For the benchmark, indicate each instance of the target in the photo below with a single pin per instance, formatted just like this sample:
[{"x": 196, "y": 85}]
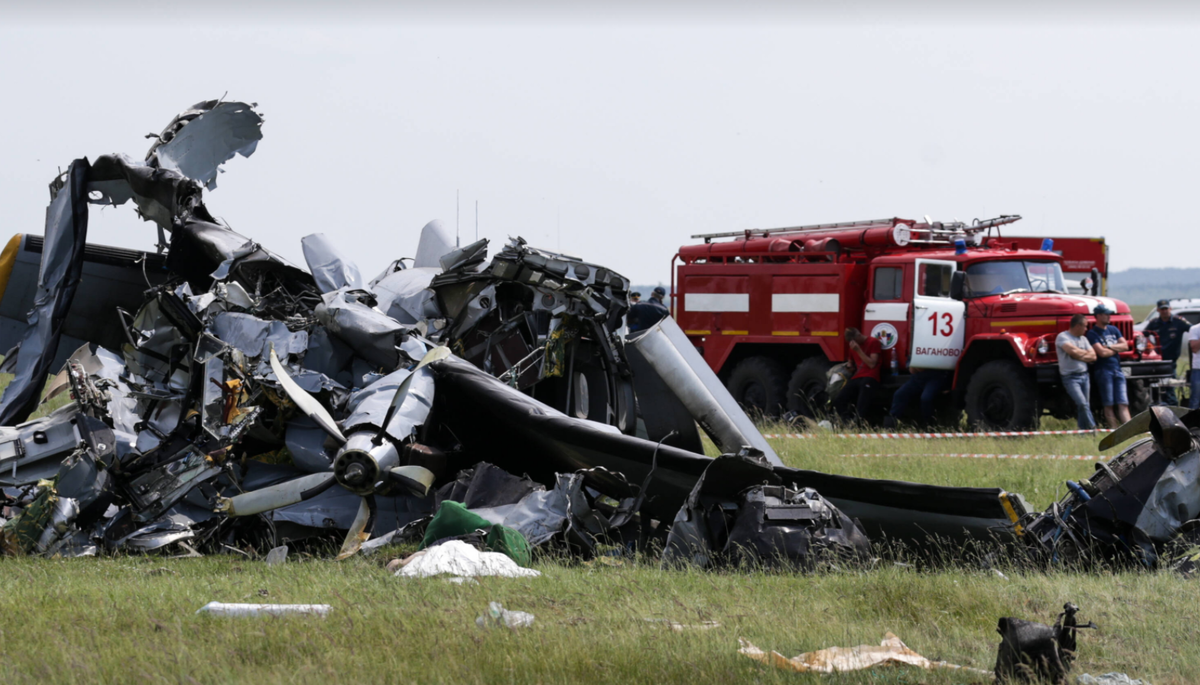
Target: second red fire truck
[{"x": 768, "y": 309}]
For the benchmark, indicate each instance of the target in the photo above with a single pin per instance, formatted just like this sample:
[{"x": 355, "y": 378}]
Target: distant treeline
[{"x": 1147, "y": 286}]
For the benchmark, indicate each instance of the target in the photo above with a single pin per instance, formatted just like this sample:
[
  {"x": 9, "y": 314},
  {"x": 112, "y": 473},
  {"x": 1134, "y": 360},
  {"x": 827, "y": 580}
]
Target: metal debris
[{"x": 259, "y": 610}]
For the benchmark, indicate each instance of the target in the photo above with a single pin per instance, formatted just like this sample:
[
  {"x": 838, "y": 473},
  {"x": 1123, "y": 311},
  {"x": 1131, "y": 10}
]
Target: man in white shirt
[
  {"x": 1074, "y": 354},
  {"x": 1193, "y": 338}
]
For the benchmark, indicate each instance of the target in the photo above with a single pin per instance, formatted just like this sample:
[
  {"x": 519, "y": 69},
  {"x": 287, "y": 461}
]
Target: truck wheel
[
  {"x": 1001, "y": 395},
  {"x": 807, "y": 390},
  {"x": 759, "y": 384}
]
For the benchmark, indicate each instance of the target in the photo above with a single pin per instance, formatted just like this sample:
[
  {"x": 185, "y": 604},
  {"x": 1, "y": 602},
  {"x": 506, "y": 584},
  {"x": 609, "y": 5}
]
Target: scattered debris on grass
[{"x": 890, "y": 652}]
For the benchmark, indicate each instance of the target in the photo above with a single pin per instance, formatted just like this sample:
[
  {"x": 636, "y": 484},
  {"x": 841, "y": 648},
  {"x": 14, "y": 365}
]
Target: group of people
[
  {"x": 643, "y": 315},
  {"x": 1088, "y": 355},
  {"x": 1092, "y": 354},
  {"x": 857, "y": 395}
]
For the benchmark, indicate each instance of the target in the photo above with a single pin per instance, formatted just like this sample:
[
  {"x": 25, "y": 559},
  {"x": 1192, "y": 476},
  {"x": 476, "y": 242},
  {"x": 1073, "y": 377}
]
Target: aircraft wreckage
[{"x": 222, "y": 398}]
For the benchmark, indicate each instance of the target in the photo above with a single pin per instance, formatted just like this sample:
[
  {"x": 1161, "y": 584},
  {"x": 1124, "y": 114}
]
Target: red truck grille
[{"x": 1126, "y": 328}]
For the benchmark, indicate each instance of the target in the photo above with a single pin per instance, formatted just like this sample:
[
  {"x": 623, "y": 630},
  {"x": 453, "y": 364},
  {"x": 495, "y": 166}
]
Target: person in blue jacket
[
  {"x": 1107, "y": 376},
  {"x": 1171, "y": 331}
]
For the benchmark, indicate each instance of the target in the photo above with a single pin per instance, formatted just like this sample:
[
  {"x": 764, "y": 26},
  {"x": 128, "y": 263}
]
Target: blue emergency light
[
  {"x": 960, "y": 246},
  {"x": 1048, "y": 245}
]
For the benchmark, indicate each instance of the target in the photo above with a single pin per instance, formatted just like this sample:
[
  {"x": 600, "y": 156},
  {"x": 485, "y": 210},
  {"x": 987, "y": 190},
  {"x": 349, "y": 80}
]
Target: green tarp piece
[{"x": 453, "y": 519}]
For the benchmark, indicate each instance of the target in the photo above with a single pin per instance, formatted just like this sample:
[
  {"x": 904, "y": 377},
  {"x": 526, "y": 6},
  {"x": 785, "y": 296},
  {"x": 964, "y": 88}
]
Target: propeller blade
[
  {"x": 436, "y": 354},
  {"x": 1170, "y": 434},
  {"x": 360, "y": 530},
  {"x": 276, "y": 496},
  {"x": 415, "y": 479},
  {"x": 1134, "y": 427},
  {"x": 306, "y": 402}
]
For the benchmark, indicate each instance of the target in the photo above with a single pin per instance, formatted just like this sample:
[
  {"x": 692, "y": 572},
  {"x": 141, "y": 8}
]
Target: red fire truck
[{"x": 767, "y": 308}]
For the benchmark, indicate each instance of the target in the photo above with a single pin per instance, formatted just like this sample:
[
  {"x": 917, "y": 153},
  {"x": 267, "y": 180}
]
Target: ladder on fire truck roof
[{"x": 930, "y": 233}]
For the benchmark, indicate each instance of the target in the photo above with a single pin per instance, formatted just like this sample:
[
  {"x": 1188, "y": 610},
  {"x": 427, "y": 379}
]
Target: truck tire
[
  {"x": 759, "y": 384},
  {"x": 1001, "y": 395},
  {"x": 807, "y": 391}
]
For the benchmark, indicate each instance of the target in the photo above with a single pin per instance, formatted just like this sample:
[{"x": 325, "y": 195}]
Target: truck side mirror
[
  {"x": 1095, "y": 281},
  {"x": 958, "y": 284}
]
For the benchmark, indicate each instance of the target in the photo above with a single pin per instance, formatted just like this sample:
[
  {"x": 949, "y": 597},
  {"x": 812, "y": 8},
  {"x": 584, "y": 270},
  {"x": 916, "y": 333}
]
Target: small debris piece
[
  {"x": 498, "y": 616},
  {"x": 277, "y": 556},
  {"x": 890, "y": 652},
  {"x": 1108, "y": 679},
  {"x": 680, "y": 627},
  {"x": 239, "y": 610}
]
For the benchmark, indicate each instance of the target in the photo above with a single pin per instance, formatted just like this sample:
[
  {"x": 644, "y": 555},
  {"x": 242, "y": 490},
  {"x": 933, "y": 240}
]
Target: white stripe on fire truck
[
  {"x": 716, "y": 302},
  {"x": 886, "y": 311},
  {"x": 805, "y": 302}
]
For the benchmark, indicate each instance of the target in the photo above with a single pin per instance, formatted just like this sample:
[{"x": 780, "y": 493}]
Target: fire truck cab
[{"x": 768, "y": 309}]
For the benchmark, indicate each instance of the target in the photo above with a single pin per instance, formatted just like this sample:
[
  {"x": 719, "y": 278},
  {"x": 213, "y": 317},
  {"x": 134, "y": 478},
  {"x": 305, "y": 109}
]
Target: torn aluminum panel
[
  {"x": 369, "y": 332},
  {"x": 203, "y": 137},
  {"x": 62, "y": 267},
  {"x": 35, "y": 450},
  {"x": 330, "y": 268},
  {"x": 256, "y": 337}
]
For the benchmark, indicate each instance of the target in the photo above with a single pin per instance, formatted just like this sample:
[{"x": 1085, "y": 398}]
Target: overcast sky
[{"x": 615, "y": 134}]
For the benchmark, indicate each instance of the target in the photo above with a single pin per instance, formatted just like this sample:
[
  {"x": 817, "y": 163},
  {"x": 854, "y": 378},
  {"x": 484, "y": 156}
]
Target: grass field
[{"x": 132, "y": 619}]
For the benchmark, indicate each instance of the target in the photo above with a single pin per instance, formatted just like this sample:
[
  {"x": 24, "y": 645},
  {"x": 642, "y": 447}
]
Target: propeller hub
[{"x": 362, "y": 463}]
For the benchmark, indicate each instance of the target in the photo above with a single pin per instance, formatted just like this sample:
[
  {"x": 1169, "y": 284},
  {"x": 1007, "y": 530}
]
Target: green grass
[{"x": 132, "y": 619}]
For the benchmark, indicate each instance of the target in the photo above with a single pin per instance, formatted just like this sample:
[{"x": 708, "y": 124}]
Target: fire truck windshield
[{"x": 1002, "y": 278}]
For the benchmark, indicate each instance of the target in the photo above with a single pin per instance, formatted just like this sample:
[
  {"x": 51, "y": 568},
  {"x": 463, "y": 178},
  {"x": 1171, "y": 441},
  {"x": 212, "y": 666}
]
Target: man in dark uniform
[
  {"x": 1170, "y": 331},
  {"x": 657, "y": 295},
  {"x": 643, "y": 315}
]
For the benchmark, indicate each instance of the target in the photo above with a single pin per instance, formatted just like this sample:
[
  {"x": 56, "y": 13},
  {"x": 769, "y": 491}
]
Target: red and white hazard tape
[
  {"x": 901, "y": 436},
  {"x": 1059, "y": 457}
]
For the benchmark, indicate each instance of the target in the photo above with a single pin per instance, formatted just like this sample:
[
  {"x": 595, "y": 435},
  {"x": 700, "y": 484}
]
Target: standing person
[
  {"x": 657, "y": 295},
  {"x": 856, "y": 396},
  {"x": 1108, "y": 343},
  {"x": 635, "y": 297},
  {"x": 1170, "y": 330},
  {"x": 1074, "y": 354},
  {"x": 1194, "y": 372}
]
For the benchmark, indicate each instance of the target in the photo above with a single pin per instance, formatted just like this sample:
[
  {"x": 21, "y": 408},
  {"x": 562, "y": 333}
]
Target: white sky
[{"x": 638, "y": 130}]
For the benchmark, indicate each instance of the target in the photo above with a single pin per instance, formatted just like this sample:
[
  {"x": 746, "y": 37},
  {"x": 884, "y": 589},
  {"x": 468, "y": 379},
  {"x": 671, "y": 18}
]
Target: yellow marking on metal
[
  {"x": 697, "y": 332},
  {"x": 8, "y": 258},
  {"x": 735, "y": 332},
  {"x": 785, "y": 332},
  {"x": 826, "y": 334},
  {"x": 1011, "y": 512},
  {"x": 1037, "y": 322}
]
